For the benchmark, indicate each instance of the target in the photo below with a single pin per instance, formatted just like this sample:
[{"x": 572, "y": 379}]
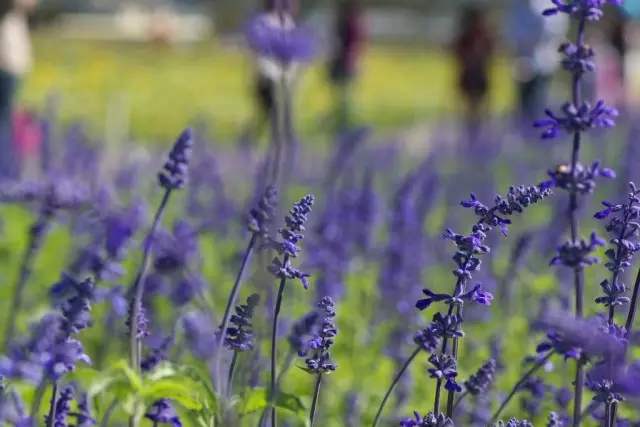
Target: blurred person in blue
[
  {"x": 15, "y": 62},
  {"x": 534, "y": 40},
  {"x": 348, "y": 40},
  {"x": 473, "y": 49}
]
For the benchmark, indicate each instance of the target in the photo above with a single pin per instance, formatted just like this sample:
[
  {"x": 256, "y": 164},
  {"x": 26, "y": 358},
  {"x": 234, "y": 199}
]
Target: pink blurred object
[
  {"x": 609, "y": 85},
  {"x": 27, "y": 133}
]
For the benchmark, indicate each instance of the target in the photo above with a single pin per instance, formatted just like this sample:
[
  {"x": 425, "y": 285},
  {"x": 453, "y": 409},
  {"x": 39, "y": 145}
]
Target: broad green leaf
[
  {"x": 177, "y": 390},
  {"x": 256, "y": 400},
  {"x": 164, "y": 369},
  {"x": 202, "y": 379}
]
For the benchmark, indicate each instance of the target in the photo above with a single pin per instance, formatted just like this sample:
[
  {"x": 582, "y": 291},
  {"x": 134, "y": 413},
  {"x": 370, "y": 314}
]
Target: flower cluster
[
  {"x": 577, "y": 59},
  {"x": 239, "y": 337},
  {"x": 514, "y": 422},
  {"x": 577, "y": 254},
  {"x": 429, "y": 420},
  {"x": 577, "y": 119},
  {"x": 320, "y": 362},
  {"x": 288, "y": 248},
  {"x": 162, "y": 412},
  {"x": 63, "y": 407},
  {"x": 581, "y": 181},
  {"x": 590, "y": 10},
  {"x": 444, "y": 368},
  {"x": 475, "y": 294}
]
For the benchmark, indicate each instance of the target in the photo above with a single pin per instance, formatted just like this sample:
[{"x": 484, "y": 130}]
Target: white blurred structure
[{"x": 135, "y": 23}]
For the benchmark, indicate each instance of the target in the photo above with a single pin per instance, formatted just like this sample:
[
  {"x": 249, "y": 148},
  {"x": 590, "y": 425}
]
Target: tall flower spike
[
  {"x": 240, "y": 335},
  {"x": 174, "y": 173},
  {"x": 288, "y": 248}
]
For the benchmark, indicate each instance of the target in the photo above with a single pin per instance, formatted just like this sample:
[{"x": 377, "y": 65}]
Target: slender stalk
[
  {"x": 52, "y": 406},
  {"x": 451, "y": 394},
  {"x": 276, "y": 135},
  {"x": 614, "y": 413},
  {"x": 285, "y": 368},
  {"x": 607, "y": 415},
  {"x": 37, "y": 399},
  {"x": 109, "y": 413},
  {"x": 138, "y": 285},
  {"x": 232, "y": 369},
  {"x": 516, "y": 387},
  {"x": 460, "y": 398},
  {"x": 37, "y": 232},
  {"x": 274, "y": 348},
  {"x": 576, "y": 89},
  {"x": 233, "y": 296},
  {"x": 395, "y": 381},
  {"x": 443, "y": 350},
  {"x": 314, "y": 404},
  {"x": 633, "y": 305}
]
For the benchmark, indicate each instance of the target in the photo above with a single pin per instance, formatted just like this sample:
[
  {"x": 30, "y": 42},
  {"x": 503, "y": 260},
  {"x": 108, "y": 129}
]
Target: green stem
[
  {"x": 274, "y": 348},
  {"x": 395, "y": 381},
  {"x": 314, "y": 404}
]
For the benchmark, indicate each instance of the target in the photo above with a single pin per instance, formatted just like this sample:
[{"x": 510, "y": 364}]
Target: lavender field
[{"x": 479, "y": 279}]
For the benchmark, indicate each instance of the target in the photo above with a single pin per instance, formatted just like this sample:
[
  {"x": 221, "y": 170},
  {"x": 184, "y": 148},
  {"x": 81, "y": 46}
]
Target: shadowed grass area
[{"x": 164, "y": 88}]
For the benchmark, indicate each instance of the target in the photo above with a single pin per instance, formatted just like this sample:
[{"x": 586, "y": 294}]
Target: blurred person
[
  {"x": 264, "y": 88},
  {"x": 15, "y": 62},
  {"x": 348, "y": 37},
  {"x": 535, "y": 39},
  {"x": 473, "y": 49},
  {"x": 617, "y": 37}
]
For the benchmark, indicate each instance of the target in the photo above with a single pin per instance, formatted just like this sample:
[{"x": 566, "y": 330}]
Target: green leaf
[
  {"x": 134, "y": 380},
  {"x": 202, "y": 379},
  {"x": 175, "y": 389},
  {"x": 256, "y": 399}
]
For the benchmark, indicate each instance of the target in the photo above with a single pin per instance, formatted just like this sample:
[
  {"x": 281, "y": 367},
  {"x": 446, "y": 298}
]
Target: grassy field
[{"x": 164, "y": 88}]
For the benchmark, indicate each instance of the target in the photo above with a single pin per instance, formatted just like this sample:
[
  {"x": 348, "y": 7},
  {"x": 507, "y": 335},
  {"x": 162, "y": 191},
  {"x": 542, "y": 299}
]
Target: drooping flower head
[
  {"x": 320, "y": 361},
  {"x": 174, "y": 173},
  {"x": 262, "y": 215},
  {"x": 239, "y": 337}
]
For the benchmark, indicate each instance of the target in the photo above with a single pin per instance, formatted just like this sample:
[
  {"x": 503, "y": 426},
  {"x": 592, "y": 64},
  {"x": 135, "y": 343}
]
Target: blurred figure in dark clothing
[
  {"x": 618, "y": 38},
  {"x": 534, "y": 41},
  {"x": 348, "y": 41},
  {"x": 473, "y": 49}
]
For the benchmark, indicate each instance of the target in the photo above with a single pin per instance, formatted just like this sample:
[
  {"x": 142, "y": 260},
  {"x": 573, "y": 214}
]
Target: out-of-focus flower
[
  {"x": 320, "y": 361},
  {"x": 279, "y": 44},
  {"x": 482, "y": 379},
  {"x": 162, "y": 412},
  {"x": 590, "y": 10},
  {"x": 428, "y": 420}
]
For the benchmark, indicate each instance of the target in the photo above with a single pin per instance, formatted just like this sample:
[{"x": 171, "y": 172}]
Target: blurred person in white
[
  {"x": 15, "y": 62},
  {"x": 534, "y": 41}
]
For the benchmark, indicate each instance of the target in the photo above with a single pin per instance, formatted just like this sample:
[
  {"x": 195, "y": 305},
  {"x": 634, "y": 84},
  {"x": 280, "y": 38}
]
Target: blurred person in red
[
  {"x": 348, "y": 41},
  {"x": 473, "y": 48},
  {"x": 15, "y": 62}
]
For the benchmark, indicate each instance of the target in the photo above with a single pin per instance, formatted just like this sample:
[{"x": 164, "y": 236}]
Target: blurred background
[{"x": 139, "y": 69}]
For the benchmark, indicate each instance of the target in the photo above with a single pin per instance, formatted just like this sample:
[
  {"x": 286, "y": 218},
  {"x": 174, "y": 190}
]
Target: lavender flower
[
  {"x": 482, "y": 379},
  {"x": 554, "y": 420},
  {"x": 162, "y": 412},
  {"x": 62, "y": 409},
  {"x": 583, "y": 9},
  {"x": 581, "y": 181},
  {"x": 288, "y": 248},
  {"x": 279, "y": 44},
  {"x": 514, "y": 422},
  {"x": 444, "y": 367},
  {"x": 577, "y": 119},
  {"x": 577, "y": 254},
  {"x": 429, "y": 420}
]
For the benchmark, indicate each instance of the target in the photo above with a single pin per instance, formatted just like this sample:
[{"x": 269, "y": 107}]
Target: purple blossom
[
  {"x": 239, "y": 337},
  {"x": 444, "y": 368},
  {"x": 429, "y": 420},
  {"x": 577, "y": 119},
  {"x": 174, "y": 173},
  {"x": 584, "y": 181},
  {"x": 590, "y": 10},
  {"x": 162, "y": 412}
]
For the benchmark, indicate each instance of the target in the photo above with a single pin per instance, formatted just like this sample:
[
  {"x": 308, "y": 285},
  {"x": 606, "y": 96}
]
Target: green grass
[{"x": 165, "y": 87}]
